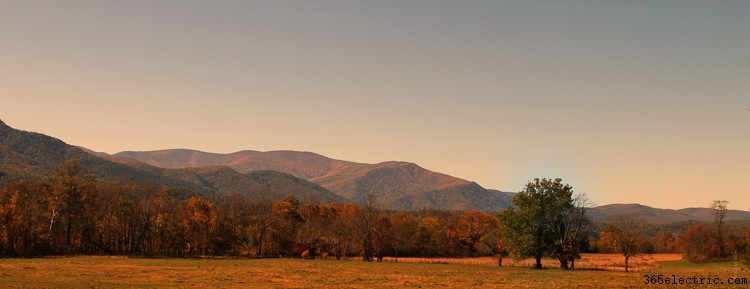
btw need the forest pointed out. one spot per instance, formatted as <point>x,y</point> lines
<point>71,213</point>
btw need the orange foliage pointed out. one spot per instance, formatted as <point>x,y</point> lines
<point>696,243</point>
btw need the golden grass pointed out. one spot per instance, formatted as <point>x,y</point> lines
<point>606,262</point>
<point>117,272</point>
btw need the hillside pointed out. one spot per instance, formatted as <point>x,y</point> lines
<point>651,215</point>
<point>407,186</point>
<point>305,165</point>
<point>398,185</point>
<point>30,156</point>
<point>259,184</point>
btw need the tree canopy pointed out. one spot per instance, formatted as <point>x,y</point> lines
<point>542,221</point>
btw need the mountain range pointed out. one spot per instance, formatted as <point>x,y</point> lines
<point>274,174</point>
<point>309,176</point>
<point>32,156</point>
<point>397,185</point>
<point>661,216</point>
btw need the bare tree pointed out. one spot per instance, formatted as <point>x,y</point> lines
<point>259,212</point>
<point>574,226</point>
<point>719,211</point>
<point>625,235</point>
<point>365,222</point>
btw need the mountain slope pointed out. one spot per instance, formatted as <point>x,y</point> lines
<point>398,185</point>
<point>259,184</point>
<point>651,215</point>
<point>407,186</point>
<point>305,165</point>
<point>28,155</point>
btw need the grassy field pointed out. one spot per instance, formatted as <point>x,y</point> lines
<point>111,272</point>
<point>603,262</point>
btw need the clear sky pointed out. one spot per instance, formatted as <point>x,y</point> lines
<point>627,101</point>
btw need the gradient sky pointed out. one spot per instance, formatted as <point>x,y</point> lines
<point>627,101</point>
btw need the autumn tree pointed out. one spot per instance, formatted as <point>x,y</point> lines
<point>167,237</point>
<point>70,189</point>
<point>21,220</point>
<point>234,219</point>
<point>624,235</point>
<point>260,214</point>
<point>285,221</point>
<point>493,242</point>
<point>664,242</point>
<point>697,243</point>
<point>437,234</point>
<point>365,222</point>
<point>382,236</point>
<point>117,223</point>
<point>404,230</point>
<point>428,236</point>
<point>533,226</point>
<point>198,218</point>
<point>315,232</point>
<point>343,229</point>
<point>472,226</point>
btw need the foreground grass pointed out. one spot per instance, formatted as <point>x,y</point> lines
<point>111,272</point>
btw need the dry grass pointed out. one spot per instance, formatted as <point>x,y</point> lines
<point>114,272</point>
<point>603,262</point>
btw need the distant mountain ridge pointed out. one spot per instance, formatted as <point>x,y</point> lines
<point>398,185</point>
<point>33,156</point>
<point>305,165</point>
<point>660,216</point>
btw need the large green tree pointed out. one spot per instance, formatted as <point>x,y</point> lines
<point>538,224</point>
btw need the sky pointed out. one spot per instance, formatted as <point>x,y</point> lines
<point>627,101</point>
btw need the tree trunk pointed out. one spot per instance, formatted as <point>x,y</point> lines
<point>626,263</point>
<point>67,232</point>
<point>338,250</point>
<point>538,264</point>
<point>51,229</point>
<point>259,250</point>
<point>367,248</point>
<point>563,263</point>
<point>346,248</point>
<point>234,238</point>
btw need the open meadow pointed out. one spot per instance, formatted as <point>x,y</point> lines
<point>121,272</point>
<point>599,262</point>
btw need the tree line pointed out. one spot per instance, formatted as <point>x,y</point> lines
<point>72,213</point>
<point>701,242</point>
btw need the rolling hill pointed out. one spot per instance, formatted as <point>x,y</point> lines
<point>305,165</point>
<point>272,185</point>
<point>398,185</point>
<point>31,156</point>
<point>660,216</point>
<point>309,176</point>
